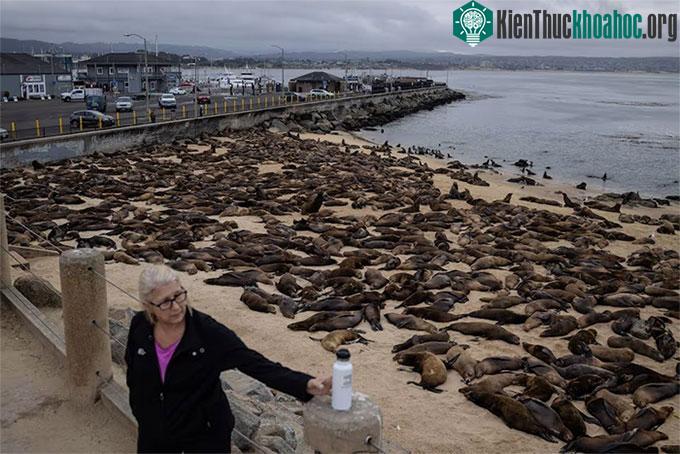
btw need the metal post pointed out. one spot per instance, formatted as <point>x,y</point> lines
<point>37,128</point>
<point>88,349</point>
<point>146,66</point>
<point>61,125</point>
<point>6,272</point>
<point>282,57</point>
<point>195,86</point>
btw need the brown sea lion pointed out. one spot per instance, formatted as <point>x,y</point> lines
<point>501,316</point>
<point>122,257</point>
<point>605,412</point>
<point>256,303</point>
<point>633,441</point>
<point>593,318</point>
<point>504,302</point>
<point>612,355</point>
<point>304,325</point>
<point>429,313</point>
<point>570,415</point>
<point>560,325</point>
<point>513,413</point>
<point>648,418</point>
<point>339,322</point>
<point>546,371</point>
<point>624,408</point>
<point>654,392</point>
<point>496,364</point>
<point>432,372</point>
<point>441,336</point>
<point>540,352</point>
<point>485,330</point>
<point>584,385</point>
<point>538,388</point>
<point>460,360</point>
<point>375,279</point>
<point>411,322</point>
<point>372,316</point>
<point>434,347</point>
<point>636,345</point>
<point>537,319</point>
<point>542,305</point>
<point>496,383</point>
<point>335,339</point>
<point>547,417</point>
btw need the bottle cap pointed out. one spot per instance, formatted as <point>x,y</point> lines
<point>342,354</point>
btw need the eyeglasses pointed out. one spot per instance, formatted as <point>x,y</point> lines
<point>179,298</point>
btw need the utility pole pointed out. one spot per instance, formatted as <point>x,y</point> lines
<point>195,86</point>
<point>156,40</point>
<point>146,68</point>
<point>282,55</point>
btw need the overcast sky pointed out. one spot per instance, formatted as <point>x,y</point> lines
<point>321,25</point>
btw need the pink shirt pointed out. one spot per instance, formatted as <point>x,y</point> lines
<point>164,355</point>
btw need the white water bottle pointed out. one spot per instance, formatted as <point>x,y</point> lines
<point>342,381</point>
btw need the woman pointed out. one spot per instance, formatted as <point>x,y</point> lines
<point>175,355</point>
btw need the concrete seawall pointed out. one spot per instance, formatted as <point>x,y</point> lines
<point>21,153</point>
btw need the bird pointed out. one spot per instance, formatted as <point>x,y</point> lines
<point>546,176</point>
<point>604,177</point>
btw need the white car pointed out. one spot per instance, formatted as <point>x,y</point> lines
<point>321,92</point>
<point>168,101</point>
<point>123,104</point>
<point>178,91</point>
<point>77,94</point>
<point>4,134</point>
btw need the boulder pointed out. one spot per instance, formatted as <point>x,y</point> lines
<point>38,291</point>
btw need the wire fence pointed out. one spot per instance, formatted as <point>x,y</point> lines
<point>212,106</point>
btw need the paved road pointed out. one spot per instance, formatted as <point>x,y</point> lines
<point>25,113</point>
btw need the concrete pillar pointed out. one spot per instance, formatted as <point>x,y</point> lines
<point>329,431</point>
<point>88,349</point>
<point>5,270</point>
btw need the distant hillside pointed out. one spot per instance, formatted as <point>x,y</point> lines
<point>32,46</point>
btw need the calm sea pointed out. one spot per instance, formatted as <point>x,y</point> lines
<point>578,124</point>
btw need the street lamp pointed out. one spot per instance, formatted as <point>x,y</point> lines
<point>282,53</point>
<point>146,67</point>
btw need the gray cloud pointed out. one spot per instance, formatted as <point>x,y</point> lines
<point>308,25</point>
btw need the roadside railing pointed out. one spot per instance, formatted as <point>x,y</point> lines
<point>64,125</point>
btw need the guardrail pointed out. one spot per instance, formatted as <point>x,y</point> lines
<point>270,101</point>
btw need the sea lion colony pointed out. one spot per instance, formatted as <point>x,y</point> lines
<point>417,255</point>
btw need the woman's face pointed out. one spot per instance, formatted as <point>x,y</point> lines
<point>165,293</point>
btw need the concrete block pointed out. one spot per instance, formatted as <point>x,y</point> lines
<point>329,431</point>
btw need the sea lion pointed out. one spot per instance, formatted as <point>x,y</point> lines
<point>540,352</point>
<point>636,345</point>
<point>339,322</point>
<point>372,316</point>
<point>538,388</point>
<point>547,417</point>
<point>537,319</point>
<point>122,257</point>
<point>605,413</point>
<point>570,416</point>
<point>544,370</point>
<point>542,305</point>
<point>330,304</point>
<point>375,279</point>
<point>304,325</point>
<point>560,325</point>
<point>429,313</point>
<point>648,418</point>
<point>432,372</point>
<point>434,347</point>
<point>496,383</point>
<point>335,339</point>
<point>513,413</point>
<point>256,303</point>
<point>313,203</point>
<point>633,441</point>
<point>612,355</point>
<point>623,300</point>
<point>584,305</point>
<point>592,318</point>
<point>411,322</point>
<point>486,330</point>
<point>460,360</point>
<point>501,316</point>
<point>584,385</point>
<point>441,336</point>
<point>496,364</point>
<point>504,302</point>
<point>654,392</point>
<point>232,279</point>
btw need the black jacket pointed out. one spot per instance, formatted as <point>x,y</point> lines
<point>189,411</point>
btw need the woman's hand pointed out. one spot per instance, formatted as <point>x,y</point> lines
<point>319,386</point>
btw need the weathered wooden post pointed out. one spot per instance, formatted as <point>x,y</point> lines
<point>6,272</point>
<point>88,349</point>
<point>329,431</point>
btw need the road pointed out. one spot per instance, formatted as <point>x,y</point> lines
<point>25,113</point>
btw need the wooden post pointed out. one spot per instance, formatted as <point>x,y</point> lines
<point>6,271</point>
<point>134,117</point>
<point>13,127</point>
<point>118,119</point>
<point>61,125</point>
<point>88,349</point>
<point>37,128</point>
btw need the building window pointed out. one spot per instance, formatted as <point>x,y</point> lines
<point>112,70</point>
<point>127,84</point>
<point>100,71</point>
<point>123,70</point>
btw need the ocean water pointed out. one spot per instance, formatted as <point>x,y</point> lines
<point>577,124</point>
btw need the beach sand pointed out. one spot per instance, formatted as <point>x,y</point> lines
<point>418,420</point>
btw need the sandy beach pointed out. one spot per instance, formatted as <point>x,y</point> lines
<point>417,420</point>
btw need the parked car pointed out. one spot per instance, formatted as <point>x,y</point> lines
<point>124,104</point>
<point>177,91</point>
<point>203,99</point>
<point>77,94</point>
<point>4,134</point>
<point>90,118</point>
<point>321,93</point>
<point>167,101</point>
<point>291,96</point>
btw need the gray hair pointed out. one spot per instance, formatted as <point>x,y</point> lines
<point>153,277</point>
